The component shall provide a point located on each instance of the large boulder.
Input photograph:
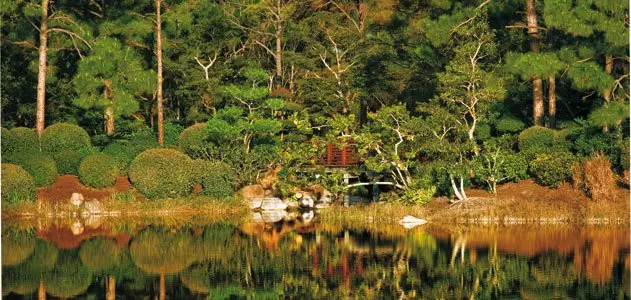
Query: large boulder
(272, 203)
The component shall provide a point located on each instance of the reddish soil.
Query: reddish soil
(65, 185)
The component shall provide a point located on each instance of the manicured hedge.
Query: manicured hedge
(536, 139)
(20, 139)
(68, 161)
(98, 170)
(63, 136)
(17, 185)
(40, 165)
(552, 168)
(216, 178)
(161, 173)
(193, 139)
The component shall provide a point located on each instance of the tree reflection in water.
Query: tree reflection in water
(295, 260)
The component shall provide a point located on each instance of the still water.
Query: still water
(303, 260)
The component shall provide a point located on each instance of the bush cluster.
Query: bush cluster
(161, 173)
(536, 139)
(20, 139)
(68, 161)
(595, 177)
(194, 139)
(17, 185)
(40, 165)
(552, 168)
(98, 170)
(216, 178)
(124, 151)
(63, 136)
(172, 133)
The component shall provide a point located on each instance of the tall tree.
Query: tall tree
(159, 97)
(537, 82)
(112, 77)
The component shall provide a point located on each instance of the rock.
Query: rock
(256, 217)
(273, 203)
(307, 217)
(322, 194)
(273, 216)
(77, 228)
(253, 191)
(306, 199)
(411, 222)
(76, 199)
(291, 204)
(93, 222)
(92, 207)
(256, 203)
(291, 216)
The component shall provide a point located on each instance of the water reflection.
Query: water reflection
(302, 258)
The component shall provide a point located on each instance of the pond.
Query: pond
(309, 259)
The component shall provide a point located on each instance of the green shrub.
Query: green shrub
(63, 136)
(194, 139)
(172, 133)
(3, 140)
(552, 168)
(536, 139)
(68, 161)
(21, 139)
(98, 170)
(509, 125)
(161, 173)
(624, 154)
(216, 178)
(483, 132)
(495, 165)
(124, 151)
(100, 140)
(17, 185)
(41, 166)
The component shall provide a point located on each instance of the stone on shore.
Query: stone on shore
(76, 199)
(271, 203)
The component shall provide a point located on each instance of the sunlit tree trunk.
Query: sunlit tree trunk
(110, 285)
(552, 101)
(160, 78)
(41, 291)
(109, 121)
(537, 82)
(607, 94)
(163, 289)
(41, 72)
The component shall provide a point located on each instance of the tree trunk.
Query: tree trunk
(109, 121)
(160, 79)
(537, 82)
(552, 102)
(40, 122)
(41, 291)
(278, 56)
(608, 68)
(110, 293)
(163, 289)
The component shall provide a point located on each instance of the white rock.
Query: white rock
(411, 222)
(307, 217)
(77, 228)
(257, 217)
(76, 199)
(273, 203)
(273, 216)
(92, 207)
(256, 203)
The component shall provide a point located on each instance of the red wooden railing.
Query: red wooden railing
(346, 156)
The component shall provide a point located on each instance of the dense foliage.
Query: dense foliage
(98, 170)
(17, 185)
(162, 173)
(436, 96)
(41, 166)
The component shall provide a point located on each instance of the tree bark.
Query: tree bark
(608, 68)
(537, 82)
(552, 102)
(110, 293)
(278, 56)
(163, 289)
(160, 78)
(41, 291)
(40, 122)
(109, 121)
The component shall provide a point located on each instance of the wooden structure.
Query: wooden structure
(336, 157)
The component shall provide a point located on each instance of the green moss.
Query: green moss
(161, 173)
(98, 170)
(18, 185)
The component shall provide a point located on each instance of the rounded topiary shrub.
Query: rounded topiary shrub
(63, 136)
(122, 153)
(3, 140)
(216, 178)
(193, 139)
(552, 168)
(21, 139)
(509, 125)
(536, 139)
(68, 161)
(17, 185)
(161, 173)
(40, 165)
(98, 170)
